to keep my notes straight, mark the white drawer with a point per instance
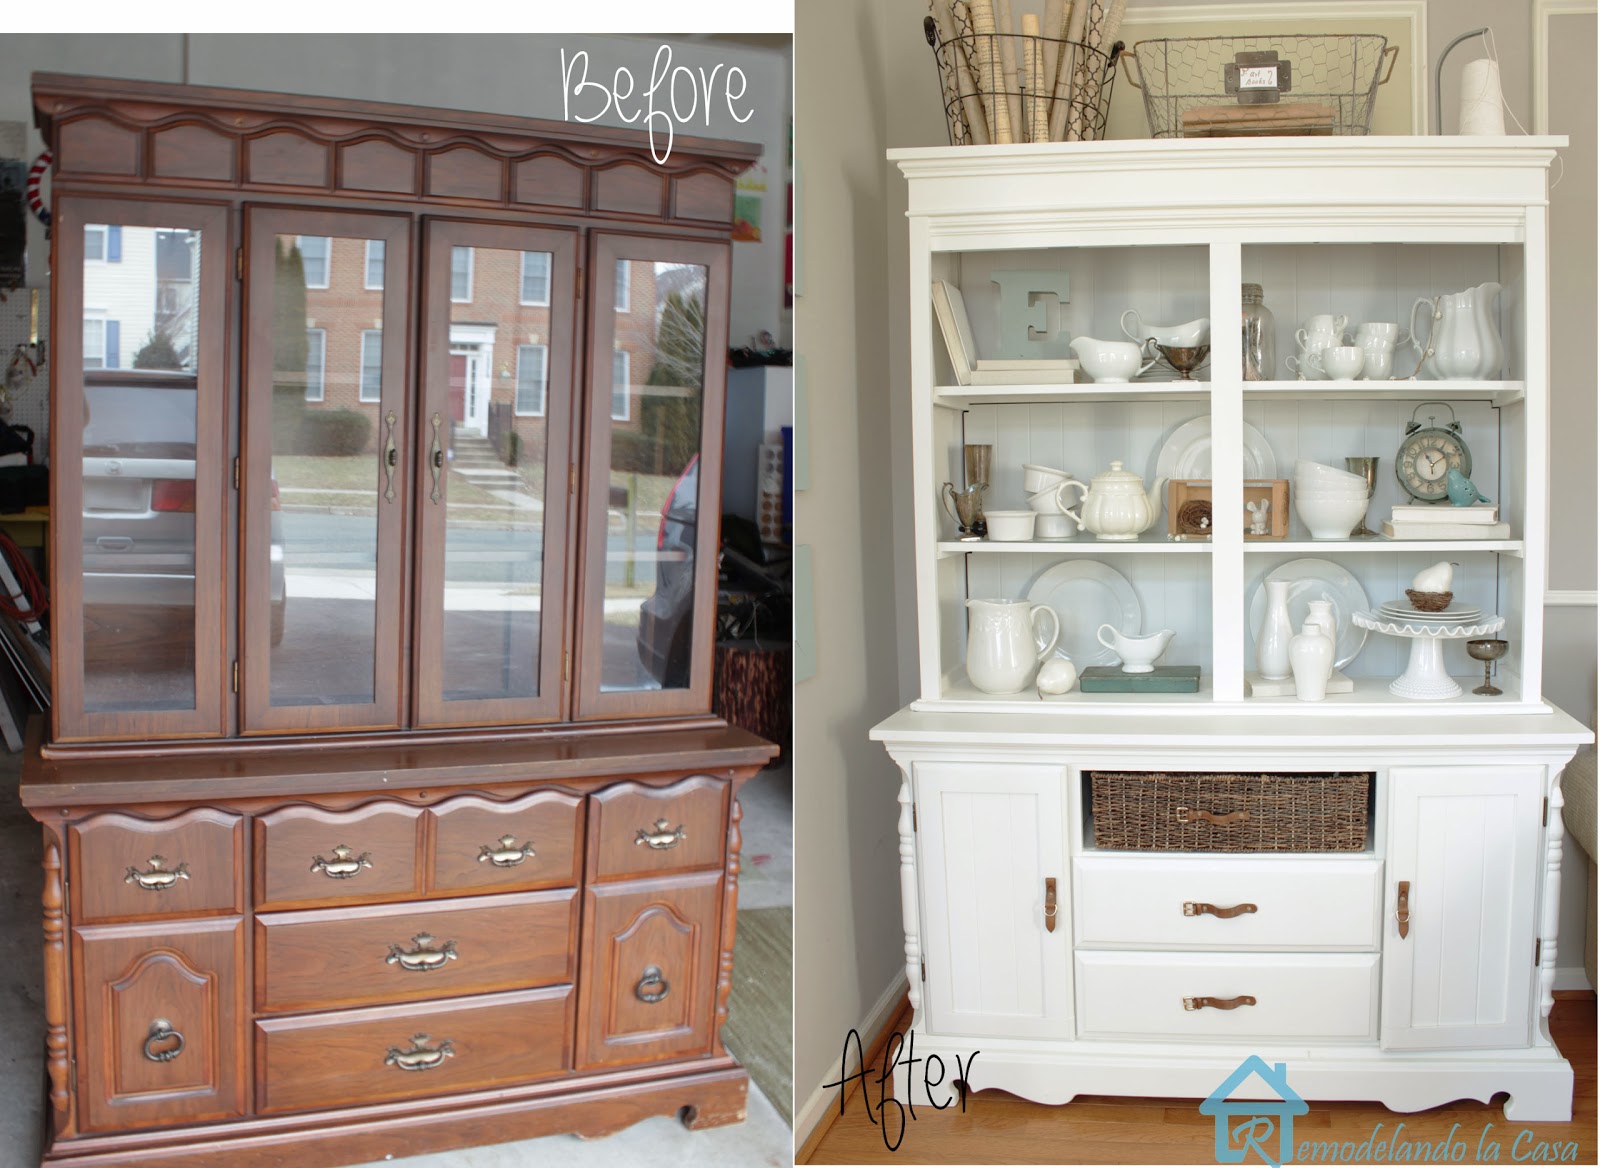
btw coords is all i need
(1297, 995)
(1300, 904)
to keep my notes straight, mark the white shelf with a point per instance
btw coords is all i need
(1498, 392)
(960, 396)
(1086, 546)
(1512, 547)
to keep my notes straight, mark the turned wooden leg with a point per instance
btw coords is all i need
(55, 988)
(730, 922)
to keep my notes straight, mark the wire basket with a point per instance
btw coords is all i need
(1328, 84)
(1067, 103)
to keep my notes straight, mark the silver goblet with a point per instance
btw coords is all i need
(1367, 468)
(1488, 651)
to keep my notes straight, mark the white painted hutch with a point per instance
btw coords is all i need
(1464, 792)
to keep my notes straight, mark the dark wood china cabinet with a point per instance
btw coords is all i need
(384, 809)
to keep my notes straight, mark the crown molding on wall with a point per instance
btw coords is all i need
(1571, 598)
(1543, 10)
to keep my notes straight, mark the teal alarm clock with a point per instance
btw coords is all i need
(1429, 453)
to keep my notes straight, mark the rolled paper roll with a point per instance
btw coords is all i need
(991, 73)
(1482, 102)
(1013, 76)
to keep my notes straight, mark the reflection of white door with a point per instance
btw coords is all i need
(474, 344)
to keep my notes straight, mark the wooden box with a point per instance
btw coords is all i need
(1197, 521)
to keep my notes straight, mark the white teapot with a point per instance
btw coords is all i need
(1115, 505)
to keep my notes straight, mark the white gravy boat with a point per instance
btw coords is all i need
(1138, 654)
(1174, 336)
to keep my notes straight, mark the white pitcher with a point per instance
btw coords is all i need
(1003, 650)
(1464, 336)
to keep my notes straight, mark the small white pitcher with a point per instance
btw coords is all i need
(1003, 650)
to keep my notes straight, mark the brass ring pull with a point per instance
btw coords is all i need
(1215, 818)
(662, 838)
(421, 1057)
(1218, 1003)
(391, 456)
(1402, 909)
(423, 957)
(344, 865)
(159, 878)
(1196, 908)
(436, 458)
(161, 1031)
(652, 977)
(505, 854)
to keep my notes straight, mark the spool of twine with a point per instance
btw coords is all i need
(1482, 103)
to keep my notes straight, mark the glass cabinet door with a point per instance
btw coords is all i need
(140, 448)
(326, 468)
(658, 339)
(493, 467)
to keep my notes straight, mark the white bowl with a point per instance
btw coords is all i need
(1308, 471)
(1055, 526)
(1036, 478)
(1013, 526)
(1045, 502)
(1330, 518)
(1177, 336)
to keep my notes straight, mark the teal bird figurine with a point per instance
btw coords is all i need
(1461, 491)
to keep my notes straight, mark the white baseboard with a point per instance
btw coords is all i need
(816, 1107)
(1572, 977)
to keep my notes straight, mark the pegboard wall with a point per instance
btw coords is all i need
(30, 404)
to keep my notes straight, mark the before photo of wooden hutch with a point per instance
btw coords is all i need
(384, 810)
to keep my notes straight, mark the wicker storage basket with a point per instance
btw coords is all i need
(1229, 813)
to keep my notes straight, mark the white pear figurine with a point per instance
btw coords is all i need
(1434, 579)
(1057, 676)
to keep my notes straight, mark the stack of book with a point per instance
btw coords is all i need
(1446, 521)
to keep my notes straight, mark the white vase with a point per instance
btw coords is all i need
(1272, 645)
(1321, 615)
(1311, 658)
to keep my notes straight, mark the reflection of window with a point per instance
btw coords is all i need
(460, 275)
(100, 339)
(316, 362)
(371, 364)
(536, 277)
(316, 259)
(531, 360)
(104, 243)
(619, 383)
(622, 286)
(374, 276)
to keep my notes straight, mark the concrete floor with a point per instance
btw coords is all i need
(763, 1139)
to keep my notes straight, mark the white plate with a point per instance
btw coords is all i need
(1085, 595)
(1313, 580)
(1455, 614)
(1187, 454)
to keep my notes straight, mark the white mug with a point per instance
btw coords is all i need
(1339, 362)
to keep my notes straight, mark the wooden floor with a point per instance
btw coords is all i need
(1001, 1129)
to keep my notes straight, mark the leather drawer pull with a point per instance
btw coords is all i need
(658, 986)
(421, 1057)
(423, 957)
(161, 1031)
(1218, 1003)
(662, 838)
(506, 853)
(1049, 904)
(1402, 909)
(1216, 819)
(1194, 908)
(344, 865)
(159, 878)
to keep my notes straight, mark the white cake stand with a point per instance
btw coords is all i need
(1425, 678)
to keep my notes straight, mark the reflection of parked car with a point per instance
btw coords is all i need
(667, 615)
(139, 495)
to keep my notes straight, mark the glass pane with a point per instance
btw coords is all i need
(141, 289)
(658, 374)
(325, 489)
(494, 514)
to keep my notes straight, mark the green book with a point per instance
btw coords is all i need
(1163, 679)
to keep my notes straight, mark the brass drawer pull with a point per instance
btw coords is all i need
(344, 865)
(436, 458)
(1218, 1003)
(1402, 909)
(662, 837)
(423, 957)
(506, 854)
(1196, 908)
(161, 1031)
(652, 977)
(1215, 818)
(1049, 904)
(159, 878)
(391, 456)
(421, 1057)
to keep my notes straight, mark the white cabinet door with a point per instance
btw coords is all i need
(989, 836)
(1465, 840)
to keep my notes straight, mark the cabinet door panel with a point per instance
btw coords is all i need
(1465, 840)
(492, 467)
(989, 837)
(140, 402)
(326, 462)
(657, 334)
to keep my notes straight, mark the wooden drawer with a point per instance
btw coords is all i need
(160, 1023)
(1158, 903)
(307, 856)
(1297, 995)
(645, 831)
(368, 1056)
(407, 952)
(493, 846)
(650, 970)
(126, 868)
